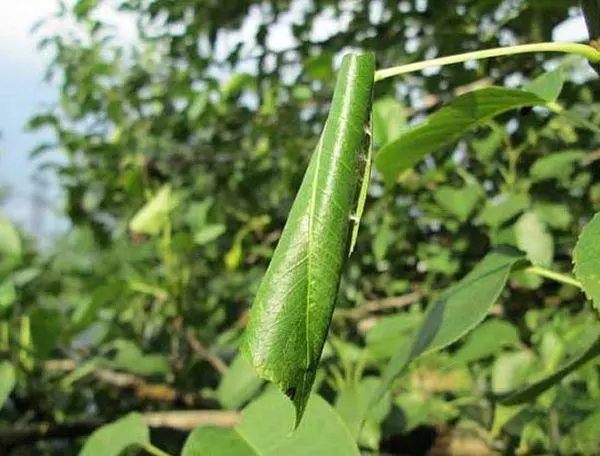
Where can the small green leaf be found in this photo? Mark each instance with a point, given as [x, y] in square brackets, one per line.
[114, 438]
[586, 257]
[130, 358]
[234, 85]
[7, 381]
[534, 239]
[352, 403]
[292, 310]
[383, 339]
[588, 347]
[459, 202]
[459, 309]
[209, 233]
[389, 121]
[555, 215]
[448, 125]
[485, 147]
[10, 245]
[153, 216]
[511, 370]
[265, 431]
[548, 85]
[503, 208]
[8, 294]
[238, 384]
[559, 165]
[486, 340]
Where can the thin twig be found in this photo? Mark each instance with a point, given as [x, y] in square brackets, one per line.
[205, 354]
[190, 419]
[379, 305]
[183, 420]
[158, 392]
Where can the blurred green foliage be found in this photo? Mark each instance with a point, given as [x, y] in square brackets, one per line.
[182, 155]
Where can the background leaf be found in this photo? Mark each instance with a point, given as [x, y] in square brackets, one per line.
[114, 438]
[587, 349]
[266, 428]
[458, 310]
[586, 257]
[448, 125]
[151, 218]
[7, 381]
[534, 239]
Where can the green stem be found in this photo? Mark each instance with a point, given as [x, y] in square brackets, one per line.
[556, 276]
[571, 48]
[154, 451]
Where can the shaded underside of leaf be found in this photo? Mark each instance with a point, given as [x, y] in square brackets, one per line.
[292, 310]
[460, 309]
[448, 125]
[589, 348]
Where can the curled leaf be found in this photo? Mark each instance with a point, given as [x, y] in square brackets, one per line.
[292, 310]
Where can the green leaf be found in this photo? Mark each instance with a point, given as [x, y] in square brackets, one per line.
[486, 340]
[389, 121]
[153, 216]
[383, 339]
[559, 165]
[485, 147]
[292, 310]
[130, 358]
[448, 125]
[238, 384]
[235, 85]
[548, 85]
[7, 381]
[555, 215]
[265, 431]
[459, 202]
[213, 441]
[10, 245]
[352, 403]
[534, 239]
[8, 294]
[586, 257]
[510, 370]
[588, 347]
[459, 309]
[114, 438]
[503, 208]
[209, 233]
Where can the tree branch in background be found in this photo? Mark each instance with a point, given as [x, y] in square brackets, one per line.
[184, 420]
[157, 392]
[205, 353]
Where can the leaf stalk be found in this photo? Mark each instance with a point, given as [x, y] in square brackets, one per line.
[556, 276]
[590, 53]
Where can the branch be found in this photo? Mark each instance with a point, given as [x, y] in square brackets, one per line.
[205, 354]
[184, 420]
[362, 311]
[158, 392]
[187, 420]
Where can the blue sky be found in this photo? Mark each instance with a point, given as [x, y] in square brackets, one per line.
[23, 93]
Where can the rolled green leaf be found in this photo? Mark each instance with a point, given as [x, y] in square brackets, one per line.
[292, 310]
